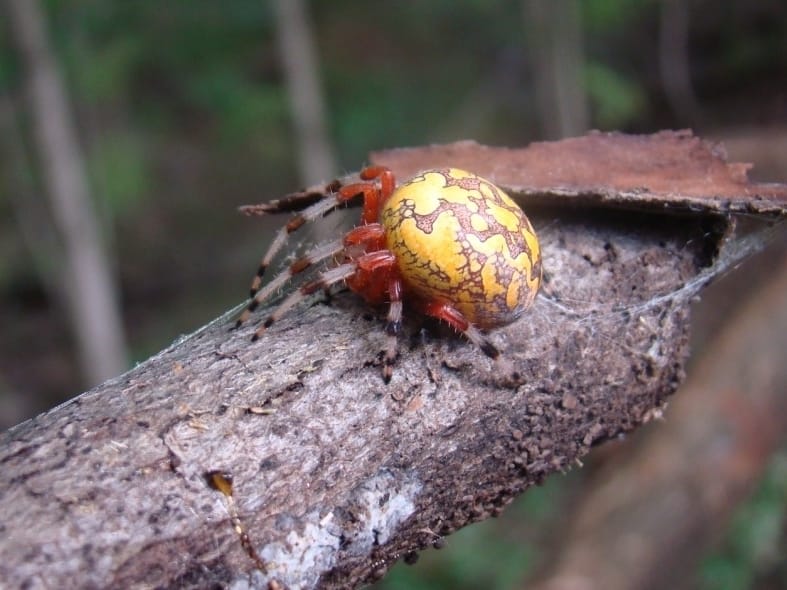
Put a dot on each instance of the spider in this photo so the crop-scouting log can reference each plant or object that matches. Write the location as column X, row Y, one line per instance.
column 450, row 243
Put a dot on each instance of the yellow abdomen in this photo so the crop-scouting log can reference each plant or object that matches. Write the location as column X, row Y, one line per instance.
column 461, row 240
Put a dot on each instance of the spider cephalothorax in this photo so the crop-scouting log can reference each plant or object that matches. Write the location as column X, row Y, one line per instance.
column 451, row 243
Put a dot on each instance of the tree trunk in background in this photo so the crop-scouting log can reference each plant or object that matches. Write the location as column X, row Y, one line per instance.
column 674, row 61
column 554, row 31
column 89, row 289
column 316, row 159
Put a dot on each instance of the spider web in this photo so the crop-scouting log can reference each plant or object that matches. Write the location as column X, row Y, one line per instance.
column 602, row 268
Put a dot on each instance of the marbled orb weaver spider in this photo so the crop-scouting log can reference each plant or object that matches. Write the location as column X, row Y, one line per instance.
column 451, row 243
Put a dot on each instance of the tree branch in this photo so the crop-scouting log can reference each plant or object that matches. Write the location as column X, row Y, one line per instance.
column 336, row 475
column 648, row 516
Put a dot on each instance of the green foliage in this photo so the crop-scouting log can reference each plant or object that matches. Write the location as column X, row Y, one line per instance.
column 120, row 171
column 756, row 538
column 616, row 100
column 8, row 67
column 241, row 107
column 502, row 562
column 606, row 15
column 109, row 76
column 763, row 50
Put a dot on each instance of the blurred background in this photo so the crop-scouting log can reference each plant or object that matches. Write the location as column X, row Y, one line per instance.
column 131, row 131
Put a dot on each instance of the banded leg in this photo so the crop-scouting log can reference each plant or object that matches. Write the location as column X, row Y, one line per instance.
column 312, row 212
column 371, row 197
column 375, row 270
column 387, row 182
column 368, row 264
column 371, row 234
column 302, row 264
column 297, row 201
column 455, row 319
column 392, row 327
column 326, row 279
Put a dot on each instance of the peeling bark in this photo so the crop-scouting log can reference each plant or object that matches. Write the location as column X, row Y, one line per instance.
column 336, row 475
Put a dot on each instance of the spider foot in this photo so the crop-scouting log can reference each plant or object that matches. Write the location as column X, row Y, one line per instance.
column 489, row 349
column 389, row 361
column 262, row 329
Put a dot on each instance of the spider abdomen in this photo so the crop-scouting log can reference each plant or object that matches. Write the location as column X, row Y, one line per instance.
column 461, row 240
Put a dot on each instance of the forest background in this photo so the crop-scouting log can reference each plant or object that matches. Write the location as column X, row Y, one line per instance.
column 182, row 111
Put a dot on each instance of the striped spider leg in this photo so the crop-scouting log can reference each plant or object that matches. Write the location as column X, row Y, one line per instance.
column 320, row 208
column 363, row 262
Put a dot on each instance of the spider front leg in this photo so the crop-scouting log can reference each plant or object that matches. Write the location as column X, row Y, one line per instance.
column 377, row 279
column 392, row 327
column 373, row 196
column 312, row 212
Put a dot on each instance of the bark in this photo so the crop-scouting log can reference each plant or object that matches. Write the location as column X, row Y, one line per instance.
column 90, row 292
column 650, row 516
column 337, row 475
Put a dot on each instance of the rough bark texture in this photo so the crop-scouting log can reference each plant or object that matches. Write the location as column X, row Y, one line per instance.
column 649, row 516
column 337, row 475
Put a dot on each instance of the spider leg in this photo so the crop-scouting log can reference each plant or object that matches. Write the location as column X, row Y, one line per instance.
column 303, row 263
column 371, row 199
column 369, row 234
column 392, row 327
column 294, row 201
column 312, row 212
column 344, row 195
column 387, row 183
column 384, row 262
column 325, row 279
column 456, row 320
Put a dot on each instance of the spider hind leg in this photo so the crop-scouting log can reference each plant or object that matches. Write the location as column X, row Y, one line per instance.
column 300, row 265
column 455, row 319
column 325, row 279
column 503, row 365
column 312, row 212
